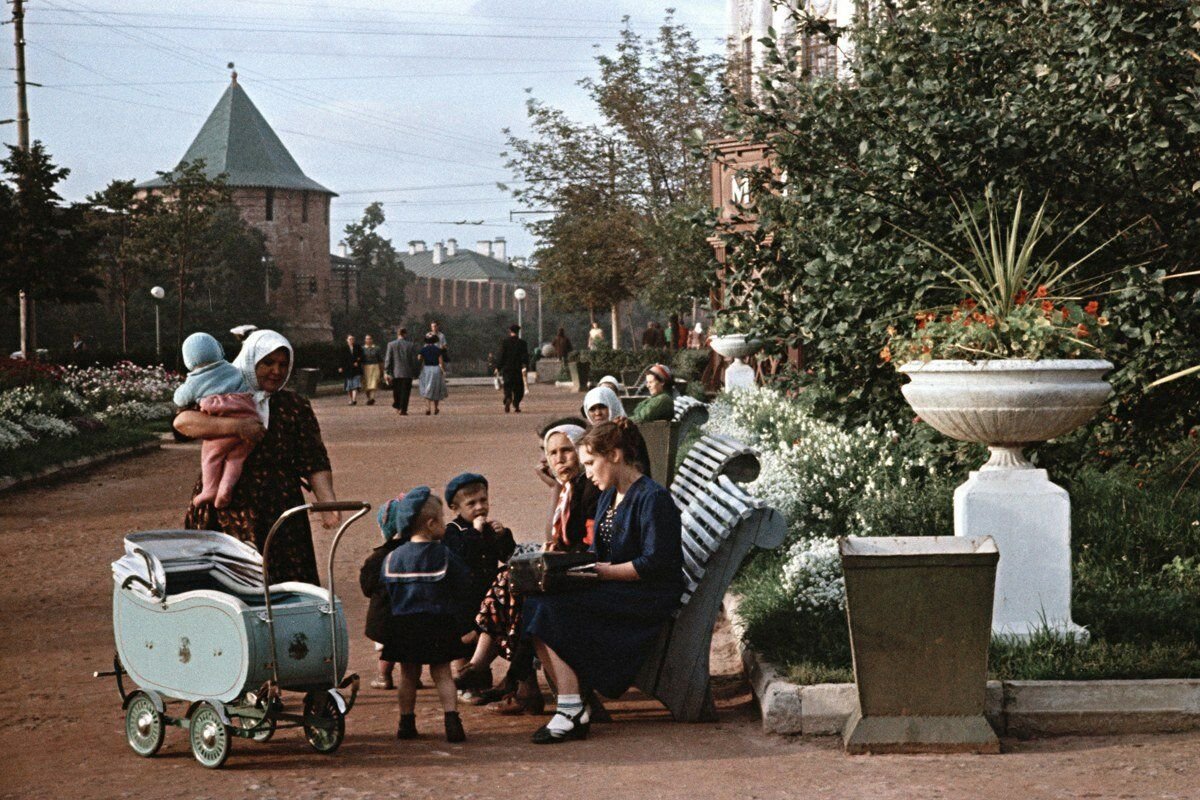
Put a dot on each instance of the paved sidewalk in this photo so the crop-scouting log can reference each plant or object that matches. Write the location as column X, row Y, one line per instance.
column 62, row 731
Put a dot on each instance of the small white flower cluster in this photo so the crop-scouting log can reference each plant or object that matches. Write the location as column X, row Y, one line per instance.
column 104, row 386
column 44, row 425
column 137, row 410
column 813, row 573
column 13, row 435
column 816, row 475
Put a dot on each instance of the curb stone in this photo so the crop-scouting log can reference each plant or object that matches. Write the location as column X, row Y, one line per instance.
column 1023, row 709
column 69, row 468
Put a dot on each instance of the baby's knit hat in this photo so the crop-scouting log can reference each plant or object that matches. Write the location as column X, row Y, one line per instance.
column 200, row 348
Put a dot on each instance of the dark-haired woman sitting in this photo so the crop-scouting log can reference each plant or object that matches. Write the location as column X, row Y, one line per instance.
column 597, row 638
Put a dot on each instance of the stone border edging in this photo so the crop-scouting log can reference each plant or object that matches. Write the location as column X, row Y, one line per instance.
column 1014, row 708
column 69, row 468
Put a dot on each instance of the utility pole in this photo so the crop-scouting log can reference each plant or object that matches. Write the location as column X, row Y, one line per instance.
column 28, row 343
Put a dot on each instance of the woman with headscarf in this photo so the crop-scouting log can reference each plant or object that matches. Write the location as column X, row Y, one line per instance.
column 602, row 405
column 568, row 529
column 288, row 456
column 661, row 405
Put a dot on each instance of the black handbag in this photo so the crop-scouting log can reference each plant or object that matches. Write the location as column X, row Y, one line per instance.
column 547, row 573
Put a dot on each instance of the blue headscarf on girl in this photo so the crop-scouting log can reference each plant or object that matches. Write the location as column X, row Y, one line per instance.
column 396, row 516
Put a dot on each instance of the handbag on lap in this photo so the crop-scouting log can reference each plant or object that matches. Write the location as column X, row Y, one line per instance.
column 547, row 573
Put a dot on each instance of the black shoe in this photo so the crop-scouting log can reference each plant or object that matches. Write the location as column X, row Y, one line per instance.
column 507, row 408
column 370, row 402
column 408, row 727
column 517, row 409
column 454, row 728
column 579, row 729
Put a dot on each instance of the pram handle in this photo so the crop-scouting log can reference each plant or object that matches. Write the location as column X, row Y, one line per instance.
column 339, row 505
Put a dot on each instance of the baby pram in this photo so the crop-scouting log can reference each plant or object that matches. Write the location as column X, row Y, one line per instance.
column 194, row 621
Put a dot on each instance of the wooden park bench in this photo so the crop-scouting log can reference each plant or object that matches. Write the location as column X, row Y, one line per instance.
column 664, row 438
column 721, row 522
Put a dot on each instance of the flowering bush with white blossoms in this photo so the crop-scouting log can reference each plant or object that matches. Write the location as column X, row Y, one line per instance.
column 59, row 402
column 816, row 475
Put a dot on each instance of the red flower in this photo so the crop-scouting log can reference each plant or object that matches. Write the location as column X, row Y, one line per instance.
column 1081, row 331
column 1092, row 308
column 1047, row 306
column 1042, row 291
column 969, row 303
column 1021, row 297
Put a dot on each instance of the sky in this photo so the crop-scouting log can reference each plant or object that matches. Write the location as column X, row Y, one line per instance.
column 392, row 100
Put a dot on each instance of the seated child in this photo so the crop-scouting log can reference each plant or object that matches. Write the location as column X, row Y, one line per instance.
column 485, row 545
column 221, row 390
column 425, row 586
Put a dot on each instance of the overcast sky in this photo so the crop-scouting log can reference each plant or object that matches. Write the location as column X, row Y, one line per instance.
column 373, row 98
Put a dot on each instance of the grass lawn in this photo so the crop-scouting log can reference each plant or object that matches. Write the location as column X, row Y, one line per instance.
column 1136, row 564
column 51, row 452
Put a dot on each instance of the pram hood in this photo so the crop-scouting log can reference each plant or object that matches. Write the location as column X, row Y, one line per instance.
column 150, row 556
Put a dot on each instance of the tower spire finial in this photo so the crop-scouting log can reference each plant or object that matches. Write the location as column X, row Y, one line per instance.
column 234, row 75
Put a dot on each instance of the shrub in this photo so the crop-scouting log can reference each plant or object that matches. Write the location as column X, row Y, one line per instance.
column 615, row 362
column 689, row 365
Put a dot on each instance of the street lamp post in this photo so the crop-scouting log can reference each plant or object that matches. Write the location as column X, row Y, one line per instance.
column 158, row 293
column 520, row 295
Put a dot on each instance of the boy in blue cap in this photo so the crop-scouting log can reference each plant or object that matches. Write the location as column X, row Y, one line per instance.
column 485, row 545
column 425, row 588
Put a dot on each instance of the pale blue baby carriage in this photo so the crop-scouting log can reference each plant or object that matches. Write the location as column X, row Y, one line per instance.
column 195, row 622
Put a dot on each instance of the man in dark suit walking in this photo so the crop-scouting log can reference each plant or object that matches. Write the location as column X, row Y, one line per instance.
column 512, row 364
column 399, row 369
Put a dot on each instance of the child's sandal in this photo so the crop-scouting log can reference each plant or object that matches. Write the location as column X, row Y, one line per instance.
column 578, row 729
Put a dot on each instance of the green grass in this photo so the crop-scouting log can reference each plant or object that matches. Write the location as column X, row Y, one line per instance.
column 52, row 452
column 1136, row 564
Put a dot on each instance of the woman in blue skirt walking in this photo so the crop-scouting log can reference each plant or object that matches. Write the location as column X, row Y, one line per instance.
column 432, row 383
column 597, row 638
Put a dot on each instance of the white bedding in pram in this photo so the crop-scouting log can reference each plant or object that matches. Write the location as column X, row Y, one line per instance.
column 151, row 556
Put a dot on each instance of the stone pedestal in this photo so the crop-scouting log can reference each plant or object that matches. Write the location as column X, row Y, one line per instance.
column 739, row 376
column 1029, row 517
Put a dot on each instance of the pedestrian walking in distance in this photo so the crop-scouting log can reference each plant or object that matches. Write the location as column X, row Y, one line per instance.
column 400, row 365
column 512, row 364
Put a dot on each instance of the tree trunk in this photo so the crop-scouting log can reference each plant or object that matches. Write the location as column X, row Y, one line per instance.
column 616, row 326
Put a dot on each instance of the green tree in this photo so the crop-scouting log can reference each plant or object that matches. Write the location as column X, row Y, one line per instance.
column 382, row 279
column 1090, row 104
column 638, row 167
column 119, row 212
column 45, row 248
column 210, row 255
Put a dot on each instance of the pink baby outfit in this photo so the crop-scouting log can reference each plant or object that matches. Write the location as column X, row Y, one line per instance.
column 221, row 459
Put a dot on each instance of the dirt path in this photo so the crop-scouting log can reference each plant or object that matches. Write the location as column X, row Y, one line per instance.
column 61, row 731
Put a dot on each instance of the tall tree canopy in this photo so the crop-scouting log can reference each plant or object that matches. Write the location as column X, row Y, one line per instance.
column 382, row 279
column 1093, row 105
column 636, row 173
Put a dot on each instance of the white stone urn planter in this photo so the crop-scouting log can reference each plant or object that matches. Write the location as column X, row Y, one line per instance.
column 1007, row 405
column 738, row 375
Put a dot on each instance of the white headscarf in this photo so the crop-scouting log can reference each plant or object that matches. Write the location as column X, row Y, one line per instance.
column 610, row 379
column 259, row 345
column 604, row 396
column 573, row 432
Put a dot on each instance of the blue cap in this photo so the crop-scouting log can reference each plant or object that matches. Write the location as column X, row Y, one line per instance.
column 200, row 348
column 459, row 482
column 396, row 516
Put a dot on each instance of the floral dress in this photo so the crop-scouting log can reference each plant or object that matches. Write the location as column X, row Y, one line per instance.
column 272, row 478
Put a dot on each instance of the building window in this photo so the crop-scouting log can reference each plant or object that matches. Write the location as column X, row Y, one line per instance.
column 304, row 207
column 270, row 204
column 820, row 57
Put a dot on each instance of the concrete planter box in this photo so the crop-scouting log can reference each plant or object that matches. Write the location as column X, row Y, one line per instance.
column 579, row 375
column 920, row 612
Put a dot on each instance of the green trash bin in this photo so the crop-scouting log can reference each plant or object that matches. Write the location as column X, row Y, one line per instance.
column 920, row 615
column 306, row 381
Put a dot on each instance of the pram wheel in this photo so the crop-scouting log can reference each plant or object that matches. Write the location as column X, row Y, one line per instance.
column 144, row 727
column 209, row 737
column 324, row 723
column 263, row 734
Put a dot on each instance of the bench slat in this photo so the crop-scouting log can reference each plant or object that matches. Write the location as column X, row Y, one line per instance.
column 697, row 531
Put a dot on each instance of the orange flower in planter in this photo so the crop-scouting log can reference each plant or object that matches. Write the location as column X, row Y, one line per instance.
column 1092, row 308
column 885, row 354
column 1042, row 291
column 1047, row 306
column 1081, row 331
column 1021, row 297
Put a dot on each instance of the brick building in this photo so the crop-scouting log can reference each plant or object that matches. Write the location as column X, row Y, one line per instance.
column 453, row 281
column 276, row 197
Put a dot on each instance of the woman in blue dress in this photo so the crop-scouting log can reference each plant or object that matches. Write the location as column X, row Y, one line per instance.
column 597, row 638
column 432, row 383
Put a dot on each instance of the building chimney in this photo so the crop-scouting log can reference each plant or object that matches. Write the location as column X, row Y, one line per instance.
column 501, row 249
column 416, row 246
column 343, row 250
column 451, row 247
column 483, row 247
column 439, row 253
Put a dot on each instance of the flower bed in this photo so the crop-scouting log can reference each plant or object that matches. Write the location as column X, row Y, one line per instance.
column 42, row 404
column 1135, row 547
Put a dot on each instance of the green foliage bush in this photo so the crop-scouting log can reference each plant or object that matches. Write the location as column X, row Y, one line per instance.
column 614, row 362
column 1091, row 104
column 688, row 364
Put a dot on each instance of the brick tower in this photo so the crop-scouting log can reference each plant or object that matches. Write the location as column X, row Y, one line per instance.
column 276, row 197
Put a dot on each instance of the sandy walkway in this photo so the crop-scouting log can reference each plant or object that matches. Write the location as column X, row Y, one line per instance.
column 61, row 731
